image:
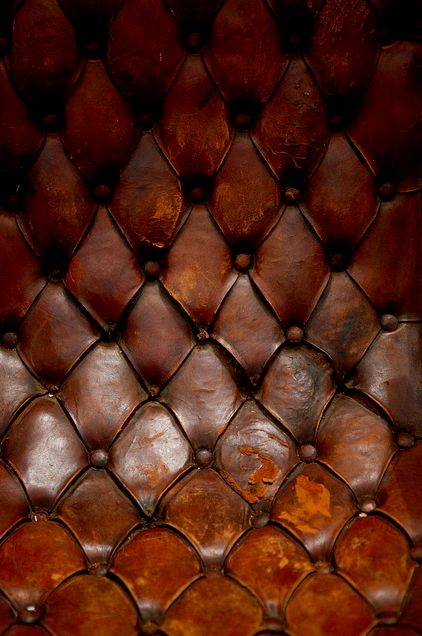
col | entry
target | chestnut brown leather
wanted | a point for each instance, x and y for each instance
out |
(210, 312)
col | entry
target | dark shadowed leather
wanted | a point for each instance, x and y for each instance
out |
(210, 318)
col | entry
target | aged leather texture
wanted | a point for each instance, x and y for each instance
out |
(210, 317)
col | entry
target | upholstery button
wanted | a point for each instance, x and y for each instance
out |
(243, 114)
(102, 192)
(274, 625)
(9, 340)
(294, 334)
(292, 195)
(194, 41)
(98, 569)
(338, 261)
(307, 453)
(294, 42)
(202, 335)
(260, 519)
(146, 120)
(154, 390)
(386, 191)
(416, 552)
(204, 458)
(213, 569)
(109, 332)
(39, 515)
(337, 122)
(197, 194)
(99, 458)
(149, 627)
(367, 504)
(93, 49)
(254, 379)
(50, 121)
(389, 322)
(197, 188)
(387, 616)
(341, 110)
(405, 440)
(243, 120)
(323, 567)
(56, 272)
(30, 614)
(242, 262)
(152, 269)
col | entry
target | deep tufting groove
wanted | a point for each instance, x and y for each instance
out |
(210, 318)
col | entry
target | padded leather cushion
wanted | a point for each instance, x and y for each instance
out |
(210, 308)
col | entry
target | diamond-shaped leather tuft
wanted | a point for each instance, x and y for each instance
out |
(210, 318)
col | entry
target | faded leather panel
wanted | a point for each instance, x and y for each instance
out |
(210, 317)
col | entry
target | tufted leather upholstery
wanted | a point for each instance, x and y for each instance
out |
(211, 303)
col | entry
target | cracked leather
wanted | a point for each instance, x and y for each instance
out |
(210, 315)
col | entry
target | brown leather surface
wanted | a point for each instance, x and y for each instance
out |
(210, 308)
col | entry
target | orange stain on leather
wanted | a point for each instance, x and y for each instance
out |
(312, 506)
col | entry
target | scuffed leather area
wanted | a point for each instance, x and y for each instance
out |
(210, 313)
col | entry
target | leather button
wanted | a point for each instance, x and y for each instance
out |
(197, 194)
(9, 340)
(405, 440)
(102, 192)
(197, 188)
(39, 515)
(389, 322)
(255, 379)
(387, 616)
(323, 567)
(243, 114)
(338, 261)
(154, 390)
(152, 269)
(416, 552)
(307, 453)
(242, 262)
(149, 627)
(55, 272)
(337, 122)
(204, 458)
(294, 42)
(194, 41)
(93, 49)
(109, 332)
(98, 569)
(51, 121)
(202, 335)
(146, 120)
(294, 334)
(292, 196)
(386, 191)
(99, 458)
(30, 614)
(243, 120)
(367, 504)
(260, 519)
(274, 625)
